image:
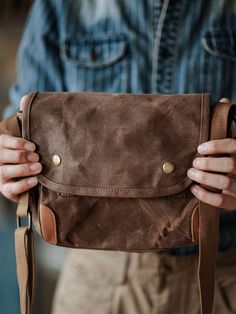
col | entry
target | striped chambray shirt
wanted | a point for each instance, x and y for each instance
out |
(132, 46)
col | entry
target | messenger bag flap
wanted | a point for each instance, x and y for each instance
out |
(116, 145)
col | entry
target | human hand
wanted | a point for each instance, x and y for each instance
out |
(18, 164)
(225, 165)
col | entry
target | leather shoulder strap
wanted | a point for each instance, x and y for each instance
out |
(25, 262)
(209, 220)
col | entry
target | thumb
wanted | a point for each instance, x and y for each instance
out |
(225, 100)
(23, 102)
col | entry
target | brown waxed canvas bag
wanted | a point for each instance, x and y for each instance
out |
(115, 176)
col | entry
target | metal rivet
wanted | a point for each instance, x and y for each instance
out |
(168, 167)
(56, 160)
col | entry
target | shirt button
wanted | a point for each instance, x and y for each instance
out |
(165, 53)
(94, 55)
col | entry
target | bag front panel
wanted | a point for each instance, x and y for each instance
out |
(124, 224)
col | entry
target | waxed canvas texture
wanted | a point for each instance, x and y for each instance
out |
(110, 191)
(116, 144)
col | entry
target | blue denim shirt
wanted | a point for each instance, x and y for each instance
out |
(136, 46)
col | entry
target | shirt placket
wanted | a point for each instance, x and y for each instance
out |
(166, 32)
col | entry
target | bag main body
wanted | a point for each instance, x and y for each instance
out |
(115, 168)
(115, 176)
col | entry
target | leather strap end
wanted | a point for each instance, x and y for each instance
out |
(25, 264)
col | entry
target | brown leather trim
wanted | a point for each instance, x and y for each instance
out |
(10, 126)
(48, 224)
(195, 224)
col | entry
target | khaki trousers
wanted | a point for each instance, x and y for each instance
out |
(103, 282)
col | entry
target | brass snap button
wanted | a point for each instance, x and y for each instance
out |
(168, 167)
(56, 160)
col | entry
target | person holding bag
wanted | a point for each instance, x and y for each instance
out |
(100, 47)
